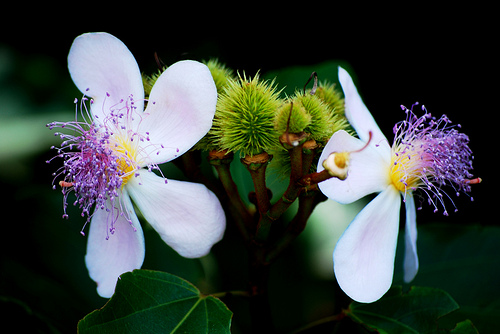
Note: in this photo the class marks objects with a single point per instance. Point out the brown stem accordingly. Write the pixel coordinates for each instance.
(260, 309)
(257, 166)
(290, 195)
(315, 178)
(307, 203)
(221, 161)
(308, 153)
(190, 164)
(225, 294)
(332, 318)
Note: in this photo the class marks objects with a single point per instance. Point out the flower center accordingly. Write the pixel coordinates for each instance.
(100, 157)
(427, 154)
(407, 167)
(125, 153)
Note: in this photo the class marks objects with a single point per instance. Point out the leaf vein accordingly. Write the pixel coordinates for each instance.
(147, 309)
(184, 318)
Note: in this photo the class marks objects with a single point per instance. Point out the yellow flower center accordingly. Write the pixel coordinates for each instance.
(405, 170)
(126, 151)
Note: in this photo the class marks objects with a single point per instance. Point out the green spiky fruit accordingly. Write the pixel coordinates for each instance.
(220, 73)
(327, 92)
(309, 114)
(292, 118)
(314, 115)
(244, 120)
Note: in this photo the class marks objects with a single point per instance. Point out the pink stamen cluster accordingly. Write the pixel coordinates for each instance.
(92, 171)
(436, 155)
(96, 164)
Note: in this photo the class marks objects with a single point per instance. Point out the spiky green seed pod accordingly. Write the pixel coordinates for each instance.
(321, 115)
(244, 120)
(327, 92)
(292, 118)
(311, 115)
(220, 73)
(209, 142)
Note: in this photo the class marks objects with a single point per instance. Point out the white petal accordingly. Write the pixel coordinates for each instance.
(368, 171)
(358, 115)
(187, 216)
(180, 110)
(411, 256)
(123, 251)
(363, 258)
(101, 64)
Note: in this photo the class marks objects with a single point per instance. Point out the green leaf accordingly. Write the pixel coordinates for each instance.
(151, 302)
(465, 327)
(462, 260)
(414, 312)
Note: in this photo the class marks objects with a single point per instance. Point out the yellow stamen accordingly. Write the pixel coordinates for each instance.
(404, 172)
(127, 161)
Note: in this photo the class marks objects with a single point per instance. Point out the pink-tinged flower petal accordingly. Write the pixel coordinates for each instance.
(106, 259)
(187, 216)
(411, 256)
(180, 109)
(363, 258)
(358, 115)
(368, 171)
(101, 65)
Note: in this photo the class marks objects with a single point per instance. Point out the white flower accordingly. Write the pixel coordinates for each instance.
(426, 154)
(110, 156)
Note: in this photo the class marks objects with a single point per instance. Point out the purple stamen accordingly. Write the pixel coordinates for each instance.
(443, 155)
(96, 162)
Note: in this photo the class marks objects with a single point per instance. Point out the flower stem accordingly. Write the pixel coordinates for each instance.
(332, 318)
(307, 203)
(221, 162)
(264, 247)
(190, 164)
(257, 166)
(293, 190)
(295, 163)
(260, 309)
(224, 294)
(315, 178)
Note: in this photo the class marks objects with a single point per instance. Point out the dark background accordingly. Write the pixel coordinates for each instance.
(444, 60)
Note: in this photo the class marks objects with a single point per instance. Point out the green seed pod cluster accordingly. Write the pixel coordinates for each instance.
(313, 117)
(251, 118)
